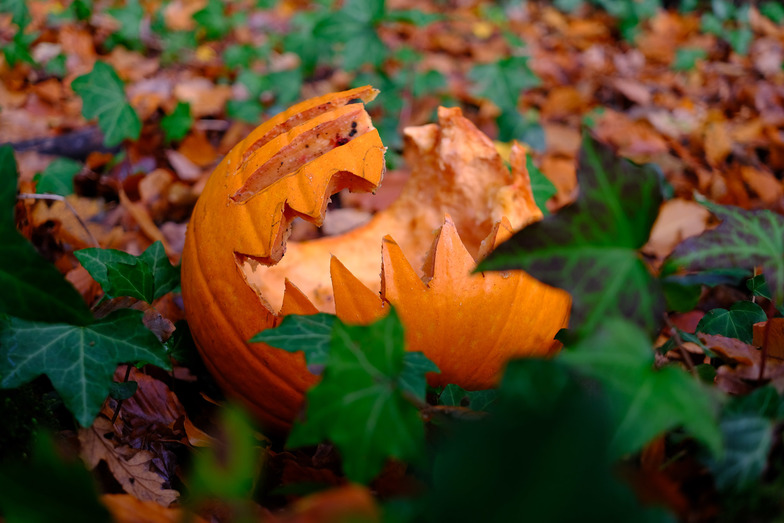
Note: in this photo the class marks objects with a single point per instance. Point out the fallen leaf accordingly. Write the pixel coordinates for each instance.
(131, 467)
(678, 219)
(126, 508)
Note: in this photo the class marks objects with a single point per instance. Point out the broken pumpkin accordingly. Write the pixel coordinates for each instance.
(459, 202)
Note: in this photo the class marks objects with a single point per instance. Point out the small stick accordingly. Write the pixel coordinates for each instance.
(764, 355)
(120, 402)
(679, 343)
(58, 198)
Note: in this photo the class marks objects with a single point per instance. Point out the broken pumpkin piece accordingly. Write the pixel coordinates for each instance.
(459, 201)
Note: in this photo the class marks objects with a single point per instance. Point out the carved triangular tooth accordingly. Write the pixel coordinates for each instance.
(295, 301)
(501, 232)
(448, 256)
(398, 277)
(354, 302)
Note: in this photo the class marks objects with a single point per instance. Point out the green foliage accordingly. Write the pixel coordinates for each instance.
(229, 470)
(67, 488)
(248, 111)
(238, 56)
(177, 124)
(737, 322)
(747, 428)
(310, 334)
(773, 10)
(57, 177)
(146, 277)
(79, 361)
(56, 66)
(591, 247)
(512, 125)
(103, 97)
(20, 13)
(541, 186)
(129, 21)
(213, 20)
(32, 288)
(18, 50)
(542, 452)
(644, 402)
(687, 57)
(758, 286)
(744, 239)
(503, 81)
(359, 403)
(455, 396)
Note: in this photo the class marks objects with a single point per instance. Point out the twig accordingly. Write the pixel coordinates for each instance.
(120, 401)
(764, 356)
(679, 343)
(58, 198)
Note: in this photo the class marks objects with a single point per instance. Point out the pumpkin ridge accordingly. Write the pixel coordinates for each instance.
(365, 94)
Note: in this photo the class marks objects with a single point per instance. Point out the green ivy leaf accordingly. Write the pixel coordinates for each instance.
(177, 124)
(248, 111)
(412, 379)
(213, 20)
(427, 82)
(57, 177)
(412, 16)
(310, 334)
(129, 18)
(20, 13)
(359, 403)
(590, 248)
(773, 10)
(646, 402)
(687, 57)
(229, 470)
(455, 396)
(744, 239)
(239, 55)
(550, 421)
(503, 81)
(79, 361)
(758, 286)
(747, 429)
(32, 288)
(68, 488)
(740, 39)
(18, 50)
(146, 277)
(737, 322)
(541, 185)
(103, 97)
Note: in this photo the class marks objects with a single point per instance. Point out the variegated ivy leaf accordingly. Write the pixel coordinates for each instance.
(744, 239)
(591, 248)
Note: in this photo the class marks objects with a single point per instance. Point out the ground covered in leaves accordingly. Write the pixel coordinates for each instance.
(666, 402)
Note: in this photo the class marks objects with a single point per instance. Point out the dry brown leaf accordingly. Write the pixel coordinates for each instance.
(766, 186)
(142, 217)
(678, 219)
(775, 336)
(718, 143)
(131, 467)
(128, 509)
(205, 98)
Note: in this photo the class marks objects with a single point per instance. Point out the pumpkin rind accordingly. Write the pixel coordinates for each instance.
(461, 198)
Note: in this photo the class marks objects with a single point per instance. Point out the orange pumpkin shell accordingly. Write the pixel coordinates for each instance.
(460, 199)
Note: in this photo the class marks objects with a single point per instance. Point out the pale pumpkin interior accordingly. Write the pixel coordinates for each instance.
(456, 171)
